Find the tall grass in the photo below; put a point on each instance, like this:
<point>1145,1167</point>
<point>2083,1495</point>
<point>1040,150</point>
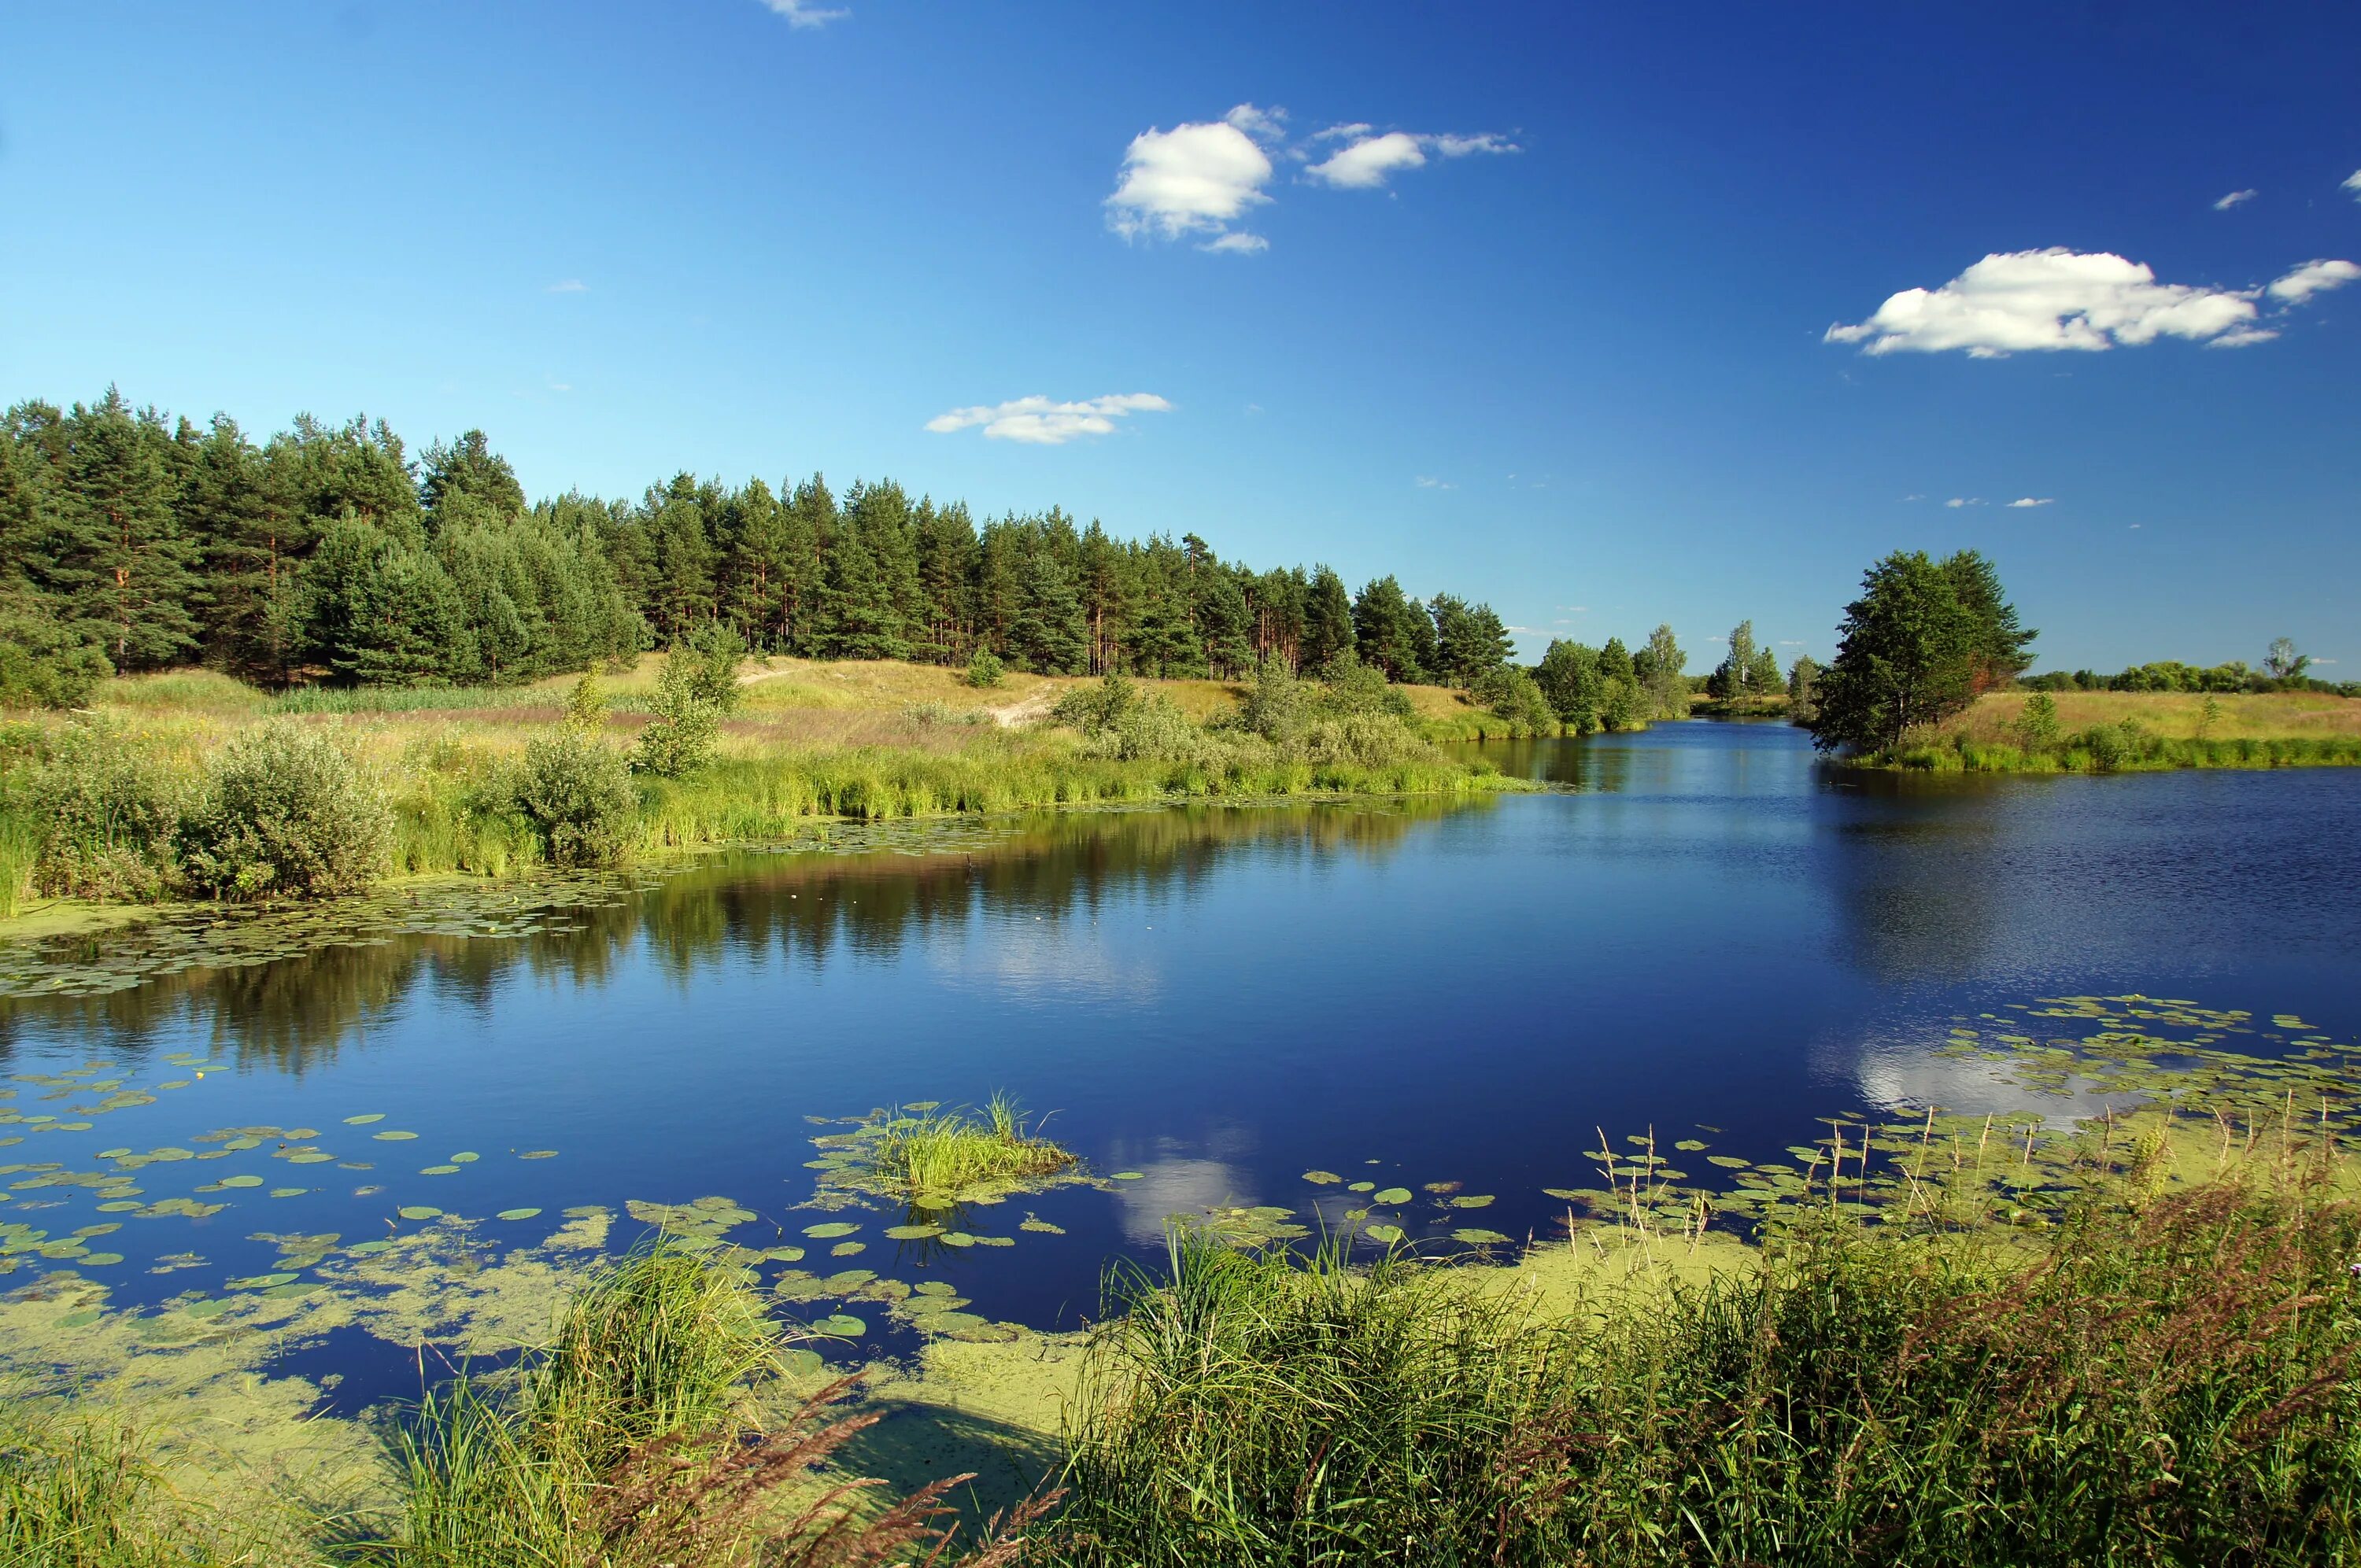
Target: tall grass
<point>941,1155</point>
<point>632,1443</point>
<point>2115,749</point>
<point>2171,1384</point>
<point>81,1491</point>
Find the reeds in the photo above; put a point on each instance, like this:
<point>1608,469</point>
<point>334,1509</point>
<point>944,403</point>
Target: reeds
<point>633,1441</point>
<point>81,1491</point>
<point>2173,1383</point>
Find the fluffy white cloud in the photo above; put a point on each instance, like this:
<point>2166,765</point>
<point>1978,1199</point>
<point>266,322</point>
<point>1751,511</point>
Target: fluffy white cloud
<point>806,13</point>
<point>1237,242</point>
<point>1366,160</point>
<point>2052,299</point>
<point>2353,184</point>
<point>1965,502</point>
<point>2313,277</point>
<point>1196,179</point>
<point>1038,422</point>
<point>2032,501</point>
<point>2233,199</point>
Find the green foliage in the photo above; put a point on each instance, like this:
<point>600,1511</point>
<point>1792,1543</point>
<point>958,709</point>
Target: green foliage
<point>1663,690</point>
<point>81,1493</point>
<point>933,1159</point>
<point>1350,687</point>
<point>1804,689</point>
<point>577,792</point>
<point>2037,724</point>
<point>43,663</point>
<point>1277,706</point>
<point>586,705</point>
<point>985,670</point>
<point>284,811</point>
<point>1570,679</point>
<point>1917,647</point>
<point>697,684</point>
<point>2284,662</point>
<point>2143,1390</point>
<point>1512,694</point>
<point>102,810</point>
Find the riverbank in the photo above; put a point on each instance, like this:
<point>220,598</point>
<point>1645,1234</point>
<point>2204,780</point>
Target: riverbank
<point>95,806</point>
<point>2099,732</point>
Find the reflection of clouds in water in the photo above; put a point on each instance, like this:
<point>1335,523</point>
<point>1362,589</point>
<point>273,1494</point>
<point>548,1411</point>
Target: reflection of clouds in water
<point>1035,957</point>
<point>1908,1076</point>
<point>1169,1187</point>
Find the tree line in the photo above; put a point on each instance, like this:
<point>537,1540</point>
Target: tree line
<point>132,541</point>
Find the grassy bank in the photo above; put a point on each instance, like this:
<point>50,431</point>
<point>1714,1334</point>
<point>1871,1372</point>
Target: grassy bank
<point>2086,732</point>
<point>499,782</point>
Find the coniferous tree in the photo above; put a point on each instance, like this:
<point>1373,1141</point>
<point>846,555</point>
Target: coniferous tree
<point>116,560</point>
<point>1050,635</point>
<point>1327,619</point>
<point>1907,655</point>
<point>1996,651</point>
<point>1386,630</point>
<point>468,467</point>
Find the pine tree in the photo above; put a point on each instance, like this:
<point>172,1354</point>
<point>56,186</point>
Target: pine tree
<point>1327,619</point>
<point>1386,630</point>
<point>1050,634</point>
<point>1907,655</point>
<point>117,561</point>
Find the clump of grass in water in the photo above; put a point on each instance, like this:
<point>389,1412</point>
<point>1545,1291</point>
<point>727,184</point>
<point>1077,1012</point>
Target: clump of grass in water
<point>630,1443</point>
<point>2165,1384</point>
<point>941,1155</point>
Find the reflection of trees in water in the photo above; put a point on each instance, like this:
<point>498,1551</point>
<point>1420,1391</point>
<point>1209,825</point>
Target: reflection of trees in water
<point>290,1012</point>
<point>1918,874</point>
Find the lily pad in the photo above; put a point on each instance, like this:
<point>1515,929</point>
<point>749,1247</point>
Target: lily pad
<point>241,1182</point>
<point>913,1233</point>
<point>1128,1176</point>
<point>364,1121</point>
<point>395,1137</point>
<point>439,1170</point>
<point>841,1325</point>
<point>418,1211</point>
<point>1479,1238</point>
<point>1472,1201</point>
<point>538,1154</point>
<point>1321,1178</point>
<point>1391,1195</point>
<point>517,1213</point>
<point>829,1230</point>
<point>1388,1235</point>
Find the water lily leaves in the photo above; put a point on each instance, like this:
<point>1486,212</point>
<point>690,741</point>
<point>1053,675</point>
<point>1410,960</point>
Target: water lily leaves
<point>840,1325</point>
<point>1472,1201</point>
<point>958,1238</point>
<point>1727,1161</point>
<point>100,1259</point>
<point>847,1281</point>
<point>517,1213</point>
<point>187,1208</point>
<point>1391,1195</point>
<point>369,1249</point>
<point>439,1170</point>
<point>1034,1222</point>
<point>995,1241</point>
<point>830,1230</point>
<point>239,1182</point>
<point>466,1157</point>
<point>309,1156</point>
<point>207,1309</point>
<point>538,1154</point>
<point>783,1254</point>
<point>1362,1187</point>
<point>1128,1176</point>
<point>1690,1144</point>
<point>1479,1238</point>
<point>935,1288</point>
<point>118,1206</point>
<point>107,1229</point>
<point>258,1282</point>
<point>363,1121</point>
<point>800,1362</point>
<point>912,1233</point>
<point>418,1211</point>
<point>1388,1235</point>
<point>288,1191</point>
<point>1321,1178</point>
<point>393,1137</point>
<point>1563,1194</point>
<point>1441,1188</point>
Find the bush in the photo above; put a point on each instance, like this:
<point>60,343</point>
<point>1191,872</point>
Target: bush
<point>1349,686</point>
<point>1277,706</point>
<point>985,670</point>
<point>285,812</point>
<point>105,815</point>
<point>578,794</point>
<point>1516,697</point>
<point>687,721</point>
<point>2036,726</point>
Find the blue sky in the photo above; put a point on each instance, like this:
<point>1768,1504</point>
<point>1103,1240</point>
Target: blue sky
<point>1555,333</point>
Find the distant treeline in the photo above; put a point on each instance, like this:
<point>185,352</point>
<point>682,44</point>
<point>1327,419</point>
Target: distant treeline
<point>2171,675</point>
<point>132,541</point>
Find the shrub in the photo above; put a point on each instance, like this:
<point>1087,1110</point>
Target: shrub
<point>1277,706</point>
<point>105,814</point>
<point>2036,726</point>
<point>43,664</point>
<point>1516,697</point>
<point>1350,686</point>
<point>577,793</point>
<point>985,670</point>
<point>688,720</point>
<point>284,811</point>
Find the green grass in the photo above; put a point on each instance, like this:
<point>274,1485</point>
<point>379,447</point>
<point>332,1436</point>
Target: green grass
<point>635,1442</point>
<point>81,1491</point>
<point>941,1155</point>
<point>2166,1383</point>
<point>2110,750</point>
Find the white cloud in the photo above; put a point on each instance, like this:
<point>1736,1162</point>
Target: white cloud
<point>1366,160</point>
<point>1965,502</point>
<point>1365,164</point>
<point>1914,497</point>
<point>2233,199</point>
<point>1237,242</point>
<point>2033,501</point>
<point>1196,179</point>
<point>1263,125</point>
<point>806,13</point>
<point>2353,185</point>
<point>2054,298</point>
<point>2313,277</point>
<point>568,285</point>
<point>1429,482</point>
<point>1038,422</point>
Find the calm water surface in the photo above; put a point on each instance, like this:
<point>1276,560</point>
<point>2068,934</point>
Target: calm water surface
<point>1708,929</point>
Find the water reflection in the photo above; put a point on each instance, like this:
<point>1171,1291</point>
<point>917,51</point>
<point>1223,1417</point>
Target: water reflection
<point>1055,872</point>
